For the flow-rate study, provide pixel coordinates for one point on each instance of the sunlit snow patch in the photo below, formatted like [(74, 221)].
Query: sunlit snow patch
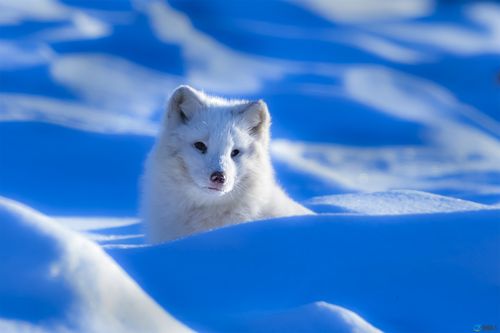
[(363, 11), (397, 202)]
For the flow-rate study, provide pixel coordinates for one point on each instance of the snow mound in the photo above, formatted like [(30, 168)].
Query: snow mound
[(433, 272), (54, 280), (397, 202), (313, 317)]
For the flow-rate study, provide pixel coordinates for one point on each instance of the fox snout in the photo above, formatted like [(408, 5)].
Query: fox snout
[(218, 177)]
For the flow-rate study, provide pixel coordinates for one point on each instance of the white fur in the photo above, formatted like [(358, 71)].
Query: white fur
[(176, 199)]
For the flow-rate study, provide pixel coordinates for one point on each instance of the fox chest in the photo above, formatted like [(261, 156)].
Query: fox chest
[(211, 217)]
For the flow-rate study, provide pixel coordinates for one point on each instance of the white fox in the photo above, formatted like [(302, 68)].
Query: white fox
[(210, 167)]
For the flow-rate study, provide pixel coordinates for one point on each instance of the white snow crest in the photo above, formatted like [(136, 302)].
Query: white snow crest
[(316, 317), (398, 202)]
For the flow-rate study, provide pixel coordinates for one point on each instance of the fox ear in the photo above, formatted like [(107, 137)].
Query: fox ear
[(255, 116), (183, 103)]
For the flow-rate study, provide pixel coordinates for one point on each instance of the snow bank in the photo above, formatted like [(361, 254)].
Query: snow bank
[(435, 272), (403, 272), (53, 280)]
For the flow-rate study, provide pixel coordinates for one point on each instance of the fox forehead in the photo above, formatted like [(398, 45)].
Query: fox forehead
[(217, 125)]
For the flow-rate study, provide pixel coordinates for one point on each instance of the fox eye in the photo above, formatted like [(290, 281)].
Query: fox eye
[(201, 147), (235, 153)]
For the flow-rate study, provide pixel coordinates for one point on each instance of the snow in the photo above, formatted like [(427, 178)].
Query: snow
[(117, 83), (313, 317), (23, 107), (400, 273), (384, 168), (13, 11), (453, 38), (13, 56), (355, 11), (54, 280), (385, 122), (210, 62), (397, 202), (81, 26)]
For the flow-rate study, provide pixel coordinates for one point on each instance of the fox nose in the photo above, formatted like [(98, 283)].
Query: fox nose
[(218, 177)]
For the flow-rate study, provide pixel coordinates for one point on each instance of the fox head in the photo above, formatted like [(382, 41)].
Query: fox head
[(216, 145)]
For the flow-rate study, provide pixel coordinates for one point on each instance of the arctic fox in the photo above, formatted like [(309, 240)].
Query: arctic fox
[(210, 167)]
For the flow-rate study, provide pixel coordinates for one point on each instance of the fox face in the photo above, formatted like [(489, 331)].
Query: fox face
[(215, 143)]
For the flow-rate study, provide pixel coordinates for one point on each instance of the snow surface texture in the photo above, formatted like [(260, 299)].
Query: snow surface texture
[(54, 280), (385, 120)]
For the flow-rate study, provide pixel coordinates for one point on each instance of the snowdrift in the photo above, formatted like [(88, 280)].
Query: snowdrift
[(435, 272), (343, 272), (54, 280)]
